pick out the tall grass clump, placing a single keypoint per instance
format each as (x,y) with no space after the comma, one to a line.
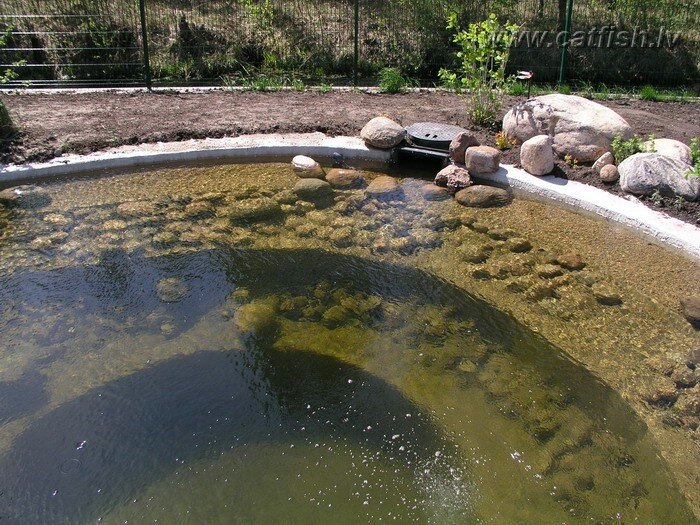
(484,49)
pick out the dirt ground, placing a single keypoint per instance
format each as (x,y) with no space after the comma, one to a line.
(53,124)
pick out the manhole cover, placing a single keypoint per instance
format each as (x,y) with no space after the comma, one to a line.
(433,134)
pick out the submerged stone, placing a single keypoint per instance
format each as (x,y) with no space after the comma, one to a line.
(172,289)
(252,210)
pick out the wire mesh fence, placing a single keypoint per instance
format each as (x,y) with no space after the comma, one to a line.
(100,42)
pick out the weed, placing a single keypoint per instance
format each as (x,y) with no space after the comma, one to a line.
(622,148)
(649,93)
(679,203)
(570,161)
(656,198)
(392,81)
(564,89)
(325,88)
(503,142)
(694,171)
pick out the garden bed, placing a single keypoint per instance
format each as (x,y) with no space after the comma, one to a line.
(53,124)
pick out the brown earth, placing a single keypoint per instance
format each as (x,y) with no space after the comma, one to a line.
(53,124)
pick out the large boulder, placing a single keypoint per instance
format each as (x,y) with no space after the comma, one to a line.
(481,160)
(580,127)
(459,145)
(645,173)
(453,178)
(670,148)
(537,155)
(383,133)
(481,196)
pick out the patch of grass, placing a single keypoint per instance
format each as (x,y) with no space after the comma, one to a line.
(515,89)
(325,88)
(392,81)
(564,89)
(649,93)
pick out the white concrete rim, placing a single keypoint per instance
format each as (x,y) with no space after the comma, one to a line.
(580,197)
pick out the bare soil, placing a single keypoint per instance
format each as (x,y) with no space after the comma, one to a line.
(54,124)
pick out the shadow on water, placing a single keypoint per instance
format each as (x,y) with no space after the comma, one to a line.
(126,434)
(129,433)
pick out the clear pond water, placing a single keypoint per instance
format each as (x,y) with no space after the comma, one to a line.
(233,376)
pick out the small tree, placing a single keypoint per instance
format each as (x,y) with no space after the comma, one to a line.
(483,56)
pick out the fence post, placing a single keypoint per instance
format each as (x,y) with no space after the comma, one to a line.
(356,57)
(565,45)
(144,41)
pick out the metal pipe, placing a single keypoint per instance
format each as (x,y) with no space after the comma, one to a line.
(565,45)
(144,41)
(356,57)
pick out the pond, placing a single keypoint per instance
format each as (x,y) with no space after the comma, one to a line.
(170,356)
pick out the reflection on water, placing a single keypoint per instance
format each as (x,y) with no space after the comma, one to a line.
(300,386)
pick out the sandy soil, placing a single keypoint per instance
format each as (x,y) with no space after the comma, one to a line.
(53,124)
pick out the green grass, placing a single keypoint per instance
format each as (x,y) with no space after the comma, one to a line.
(649,93)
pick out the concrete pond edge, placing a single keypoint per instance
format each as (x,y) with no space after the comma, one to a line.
(574,195)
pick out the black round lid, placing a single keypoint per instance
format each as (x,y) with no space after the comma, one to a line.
(433,134)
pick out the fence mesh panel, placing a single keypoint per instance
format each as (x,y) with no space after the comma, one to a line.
(99,42)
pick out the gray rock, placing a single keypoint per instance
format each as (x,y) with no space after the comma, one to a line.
(537,155)
(313,190)
(306,167)
(691,309)
(384,187)
(604,160)
(454,178)
(171,289)
(609,173)
(580,127)
(253,210)
(383,133)
(670,148)
(344,179)
(645,173)
(481,160)
(481,196)
(459,145)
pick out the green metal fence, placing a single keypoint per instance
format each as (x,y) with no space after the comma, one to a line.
(100,42)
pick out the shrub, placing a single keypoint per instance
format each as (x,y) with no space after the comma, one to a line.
(392,81)
(7,126)
(622,148)
(483,56)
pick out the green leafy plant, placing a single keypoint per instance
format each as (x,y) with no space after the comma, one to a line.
(656,198)
(484,49)
(649,93)
(564,89)
(679,203)
(392,81)
(325,88)
(623,148)
(694,171)
(9,74)
(515,89)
